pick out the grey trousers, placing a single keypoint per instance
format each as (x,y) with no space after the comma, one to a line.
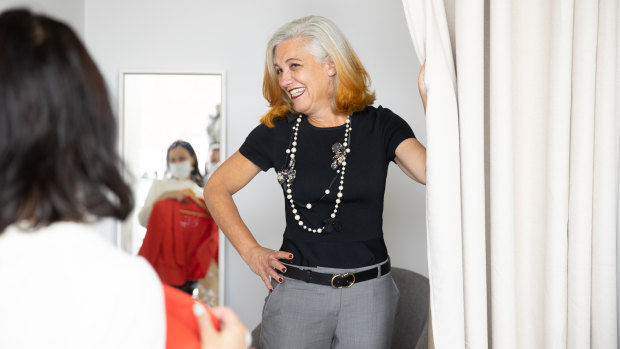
(300,315)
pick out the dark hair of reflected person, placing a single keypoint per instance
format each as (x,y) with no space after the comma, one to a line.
(58,155)
(195,174)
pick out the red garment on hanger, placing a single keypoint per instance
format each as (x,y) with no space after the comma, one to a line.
(181,325)
(181,240)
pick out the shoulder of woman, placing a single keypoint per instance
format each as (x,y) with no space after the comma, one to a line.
(380,113)
(385,112)
(280,126)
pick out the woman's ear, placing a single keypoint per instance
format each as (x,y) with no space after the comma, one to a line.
(331,67)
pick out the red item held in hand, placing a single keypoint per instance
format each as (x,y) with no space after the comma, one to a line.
(181,241)
(181,325)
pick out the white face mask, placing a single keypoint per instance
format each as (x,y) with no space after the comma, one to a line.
(180,170)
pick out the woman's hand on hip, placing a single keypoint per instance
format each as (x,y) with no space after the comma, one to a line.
(264,263)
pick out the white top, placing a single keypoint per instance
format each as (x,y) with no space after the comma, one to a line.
(63,286)
(159,187)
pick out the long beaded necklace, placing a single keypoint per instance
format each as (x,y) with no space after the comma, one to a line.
(286,177)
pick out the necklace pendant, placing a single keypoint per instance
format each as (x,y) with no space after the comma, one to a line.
(337,160)
(285,175)
(335,165)
(280,177)
(337,148)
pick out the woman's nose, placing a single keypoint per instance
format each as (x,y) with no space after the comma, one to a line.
(284,79)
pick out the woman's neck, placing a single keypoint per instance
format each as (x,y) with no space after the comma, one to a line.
(331,119)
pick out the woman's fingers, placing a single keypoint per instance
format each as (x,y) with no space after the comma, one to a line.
(275,264)
(422,85)
(284,255)
(237,334)
(274,275)
(207,331)
(265,262)
(232,335)
(267,282)
(228,318)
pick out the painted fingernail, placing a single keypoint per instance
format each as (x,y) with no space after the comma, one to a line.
(290,256)
(284,270)
(280,279)
(198,309)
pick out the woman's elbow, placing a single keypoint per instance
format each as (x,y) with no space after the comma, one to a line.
(215,190)
(209,190)
(422,179)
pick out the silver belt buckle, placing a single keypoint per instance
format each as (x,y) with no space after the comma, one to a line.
(351,282)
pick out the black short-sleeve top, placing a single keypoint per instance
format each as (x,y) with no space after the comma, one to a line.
(375,135)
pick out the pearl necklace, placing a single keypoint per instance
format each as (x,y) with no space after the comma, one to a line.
(287,176)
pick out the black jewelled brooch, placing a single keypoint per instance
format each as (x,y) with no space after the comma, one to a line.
(287,174)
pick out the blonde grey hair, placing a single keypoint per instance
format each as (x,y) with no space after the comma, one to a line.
(324,40)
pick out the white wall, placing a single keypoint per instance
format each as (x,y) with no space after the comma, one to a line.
(230,36)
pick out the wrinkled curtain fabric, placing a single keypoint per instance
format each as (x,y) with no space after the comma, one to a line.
(523,130)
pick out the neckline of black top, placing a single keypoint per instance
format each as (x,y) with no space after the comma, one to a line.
(305,121)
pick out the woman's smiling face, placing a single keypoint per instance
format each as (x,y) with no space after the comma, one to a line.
(307,82)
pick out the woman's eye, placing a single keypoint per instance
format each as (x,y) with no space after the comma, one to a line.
(278,71)
(295,65)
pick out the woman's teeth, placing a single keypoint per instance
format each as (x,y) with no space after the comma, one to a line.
(296,91)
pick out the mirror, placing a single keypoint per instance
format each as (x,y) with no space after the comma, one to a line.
(157,109)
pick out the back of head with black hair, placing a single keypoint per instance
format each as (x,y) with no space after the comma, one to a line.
(58,156)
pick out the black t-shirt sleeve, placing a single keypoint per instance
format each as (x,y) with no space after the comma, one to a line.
(395,130)
(258,147)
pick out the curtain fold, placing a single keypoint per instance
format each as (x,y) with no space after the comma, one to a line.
(523,156)
(605,186)
(501,191)
(581,164)
(469,18)
(557,151)
(443,170)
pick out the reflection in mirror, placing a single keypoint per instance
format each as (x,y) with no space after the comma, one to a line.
(172,128)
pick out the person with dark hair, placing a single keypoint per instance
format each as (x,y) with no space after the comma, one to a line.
(62,285)
(330,280)
(184,179)
(183,185)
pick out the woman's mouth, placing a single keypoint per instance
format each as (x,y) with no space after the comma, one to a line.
(296,92)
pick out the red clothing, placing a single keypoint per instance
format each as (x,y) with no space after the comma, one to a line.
(181,241)
(181,325)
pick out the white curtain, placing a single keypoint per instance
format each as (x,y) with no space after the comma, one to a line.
(523,130)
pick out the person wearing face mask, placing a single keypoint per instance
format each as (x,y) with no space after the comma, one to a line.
(175,216)
(185,179)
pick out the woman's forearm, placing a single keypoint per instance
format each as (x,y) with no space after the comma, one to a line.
(224,210)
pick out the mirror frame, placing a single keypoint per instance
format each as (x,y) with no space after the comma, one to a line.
(223,154)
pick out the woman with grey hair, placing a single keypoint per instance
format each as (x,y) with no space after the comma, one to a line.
(330,281)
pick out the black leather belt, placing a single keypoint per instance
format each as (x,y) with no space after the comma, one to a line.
(335,280)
